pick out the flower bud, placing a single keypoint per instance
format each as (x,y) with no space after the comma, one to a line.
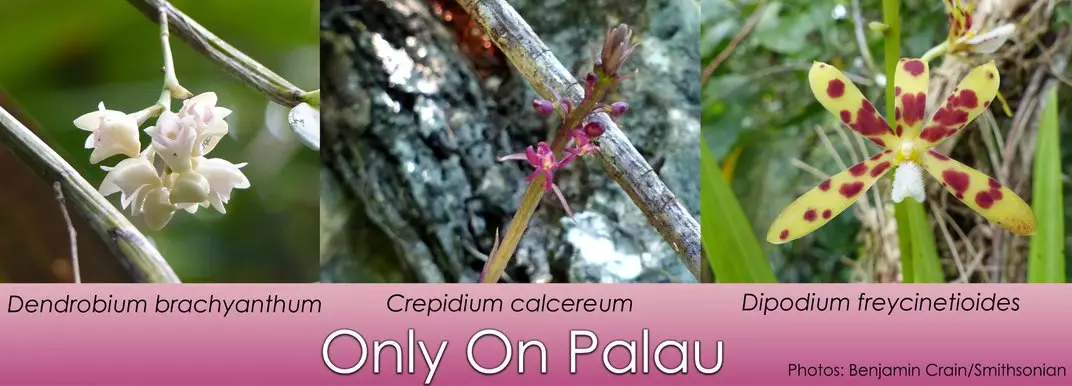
(594,129)
(543,107)
(618,45)
(590,80)
(157,208)
(617,109)
(189,187)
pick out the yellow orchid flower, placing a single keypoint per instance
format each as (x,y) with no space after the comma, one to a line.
(906,147)
(964,38)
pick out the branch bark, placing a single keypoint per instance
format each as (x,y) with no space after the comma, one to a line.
(126,242)
(531,57)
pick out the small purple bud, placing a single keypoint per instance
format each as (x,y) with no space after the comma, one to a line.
(594,129)
(618,108)
(542,107)
(590,80)
(567,106)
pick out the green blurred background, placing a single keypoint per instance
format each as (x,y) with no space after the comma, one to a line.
(59,58)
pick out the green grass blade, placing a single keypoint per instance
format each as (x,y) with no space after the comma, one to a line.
(919,256)
(1046,260)
(731,246)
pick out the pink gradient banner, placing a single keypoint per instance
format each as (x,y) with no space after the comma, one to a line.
(276,334)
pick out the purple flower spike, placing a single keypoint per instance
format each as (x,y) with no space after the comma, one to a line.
(543,107)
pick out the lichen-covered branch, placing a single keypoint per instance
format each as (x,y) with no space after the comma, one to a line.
(531,57)
(126,242)
(243,67)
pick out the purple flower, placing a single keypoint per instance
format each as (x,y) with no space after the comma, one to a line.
(543,159)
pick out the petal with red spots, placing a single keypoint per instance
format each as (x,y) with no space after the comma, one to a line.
(820,204)
(841,97)
(912,78)
(971,97)
(981,193)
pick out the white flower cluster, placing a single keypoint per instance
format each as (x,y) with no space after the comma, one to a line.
(172,173)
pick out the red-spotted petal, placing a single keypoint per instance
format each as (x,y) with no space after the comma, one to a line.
(911,80)
(971,97)
(816,207)
(981,193)
(841,97)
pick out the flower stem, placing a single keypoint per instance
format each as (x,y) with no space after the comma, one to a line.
(919,256)
(172,88)
(312,98)
(144,114)
(935,52)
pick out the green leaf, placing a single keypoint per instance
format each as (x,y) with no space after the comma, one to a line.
(1046,260)
(785,33)
(731,246)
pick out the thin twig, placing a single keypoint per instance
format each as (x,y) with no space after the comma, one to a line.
(861,37)
(808,168)
(218,51)
(126,242)
(952,244)
(531,57)
(830,145)
(70,231)
(757,14)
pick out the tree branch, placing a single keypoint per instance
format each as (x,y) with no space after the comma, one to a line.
(125,241)
(247,70)
(620,159)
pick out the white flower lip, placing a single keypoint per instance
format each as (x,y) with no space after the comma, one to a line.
(908,182)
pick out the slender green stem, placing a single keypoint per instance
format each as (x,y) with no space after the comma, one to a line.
(312,98)
(891,10)
(891,15)
(919,256)
(172,88)
(935,52)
